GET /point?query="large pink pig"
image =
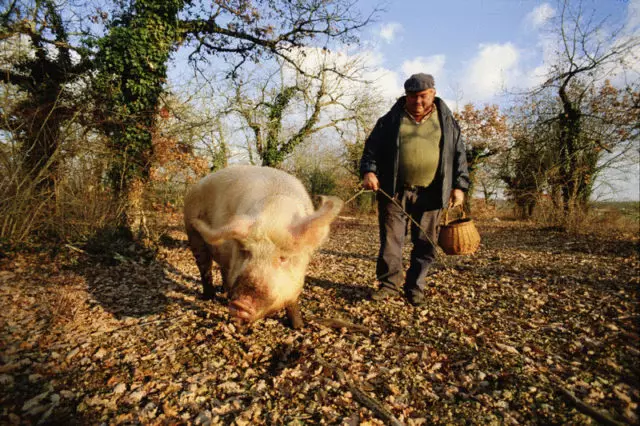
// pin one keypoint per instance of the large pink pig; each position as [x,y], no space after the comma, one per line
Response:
[260,226]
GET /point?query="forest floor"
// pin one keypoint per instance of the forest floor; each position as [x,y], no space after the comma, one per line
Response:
[539,326]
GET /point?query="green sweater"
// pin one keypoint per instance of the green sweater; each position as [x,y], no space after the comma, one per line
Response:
[419,149]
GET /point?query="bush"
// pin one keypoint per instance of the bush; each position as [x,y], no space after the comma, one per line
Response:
[318,181]
[365,203]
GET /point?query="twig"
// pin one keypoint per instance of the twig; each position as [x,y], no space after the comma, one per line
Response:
[76,249]
[355,196]
[359,395]
[584,408]
[599,415]
[142,323]
[339,323]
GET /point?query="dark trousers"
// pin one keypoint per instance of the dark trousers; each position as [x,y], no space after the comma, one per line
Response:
[424,207]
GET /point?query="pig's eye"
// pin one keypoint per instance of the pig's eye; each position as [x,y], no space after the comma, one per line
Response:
[283,260]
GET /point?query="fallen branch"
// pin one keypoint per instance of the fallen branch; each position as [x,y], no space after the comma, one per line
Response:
[339,323]
[76,249]
[599,415]
[585,408]
[359,395]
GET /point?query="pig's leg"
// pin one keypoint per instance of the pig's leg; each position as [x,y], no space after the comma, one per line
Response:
[225,281]
[294,315]
[204,260]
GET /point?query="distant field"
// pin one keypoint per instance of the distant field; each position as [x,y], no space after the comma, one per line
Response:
[626,208]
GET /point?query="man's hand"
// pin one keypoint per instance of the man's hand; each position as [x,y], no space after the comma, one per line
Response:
[456,199]
[370,181]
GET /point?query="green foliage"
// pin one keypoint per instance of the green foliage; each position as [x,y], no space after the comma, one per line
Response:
[318,181]
[277,147]
[219,159]
[132,60]
[352,154]
[366,203]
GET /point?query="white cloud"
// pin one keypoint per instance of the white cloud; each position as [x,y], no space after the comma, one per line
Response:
[433,65]
[632,32]
[540,15]
[16,48]
[386,82]
[633,16]
[389,31]
[493,69]
[361,65]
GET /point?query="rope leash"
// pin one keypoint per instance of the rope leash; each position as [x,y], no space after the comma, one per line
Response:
[440,255]
[362,191]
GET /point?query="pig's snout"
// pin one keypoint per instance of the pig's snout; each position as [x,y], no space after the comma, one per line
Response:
[242,309]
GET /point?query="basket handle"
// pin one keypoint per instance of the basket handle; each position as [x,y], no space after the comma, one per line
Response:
[446,214]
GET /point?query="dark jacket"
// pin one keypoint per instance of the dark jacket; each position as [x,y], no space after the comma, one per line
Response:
[382,147]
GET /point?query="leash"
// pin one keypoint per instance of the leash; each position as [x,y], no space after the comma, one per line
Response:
[440,255]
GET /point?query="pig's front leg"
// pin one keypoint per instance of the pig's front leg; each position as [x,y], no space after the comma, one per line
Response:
[204,265]
[294,315]
[204,261]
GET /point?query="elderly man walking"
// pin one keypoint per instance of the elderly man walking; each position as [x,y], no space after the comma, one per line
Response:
[416,155]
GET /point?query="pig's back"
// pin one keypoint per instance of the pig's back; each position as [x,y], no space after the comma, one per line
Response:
[240,190]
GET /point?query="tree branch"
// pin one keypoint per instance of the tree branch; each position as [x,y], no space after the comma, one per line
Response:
[8,76]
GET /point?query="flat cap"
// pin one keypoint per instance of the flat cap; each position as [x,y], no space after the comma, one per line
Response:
[419,82]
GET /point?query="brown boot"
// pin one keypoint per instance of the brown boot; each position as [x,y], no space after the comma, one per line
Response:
[384,293]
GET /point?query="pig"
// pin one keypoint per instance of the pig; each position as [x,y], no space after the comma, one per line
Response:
[259,225]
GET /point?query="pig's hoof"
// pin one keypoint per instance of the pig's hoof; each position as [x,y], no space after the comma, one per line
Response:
[209,295]
[295,316]
[296,323]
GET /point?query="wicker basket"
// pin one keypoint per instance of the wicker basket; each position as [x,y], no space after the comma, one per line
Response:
[459,236]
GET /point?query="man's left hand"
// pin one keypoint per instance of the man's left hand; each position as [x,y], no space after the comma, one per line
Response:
[456,199]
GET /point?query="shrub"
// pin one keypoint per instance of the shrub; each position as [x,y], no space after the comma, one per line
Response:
[318,181]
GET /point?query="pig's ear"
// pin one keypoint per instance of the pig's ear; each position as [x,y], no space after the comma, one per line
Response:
[311,231]
[237,229]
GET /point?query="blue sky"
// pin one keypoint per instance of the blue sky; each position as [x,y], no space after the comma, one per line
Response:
[474,48]
[478,50]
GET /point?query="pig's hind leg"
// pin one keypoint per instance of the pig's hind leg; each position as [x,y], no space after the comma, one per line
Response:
[204,261]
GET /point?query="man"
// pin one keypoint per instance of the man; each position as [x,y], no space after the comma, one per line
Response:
[416,155]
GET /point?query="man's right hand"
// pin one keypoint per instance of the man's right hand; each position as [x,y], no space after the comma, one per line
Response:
[370,181]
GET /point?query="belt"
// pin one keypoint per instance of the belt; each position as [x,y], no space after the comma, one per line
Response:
[413,187]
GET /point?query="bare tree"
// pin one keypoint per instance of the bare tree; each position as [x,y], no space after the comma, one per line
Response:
[39,58]
[529,167]
[287,107]
[588,113]
[242,30]
[142,36]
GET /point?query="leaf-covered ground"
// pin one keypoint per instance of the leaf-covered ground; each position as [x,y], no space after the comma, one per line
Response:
[538,327]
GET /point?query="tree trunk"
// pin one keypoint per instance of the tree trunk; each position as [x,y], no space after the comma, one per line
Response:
[133,60]
[570,172]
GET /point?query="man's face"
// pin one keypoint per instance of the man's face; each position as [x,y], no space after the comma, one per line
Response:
[418,103]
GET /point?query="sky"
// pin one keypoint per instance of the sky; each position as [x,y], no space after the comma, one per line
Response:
[479,51]
[474,48]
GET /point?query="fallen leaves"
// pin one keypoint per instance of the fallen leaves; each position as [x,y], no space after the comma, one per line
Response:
[506,333]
